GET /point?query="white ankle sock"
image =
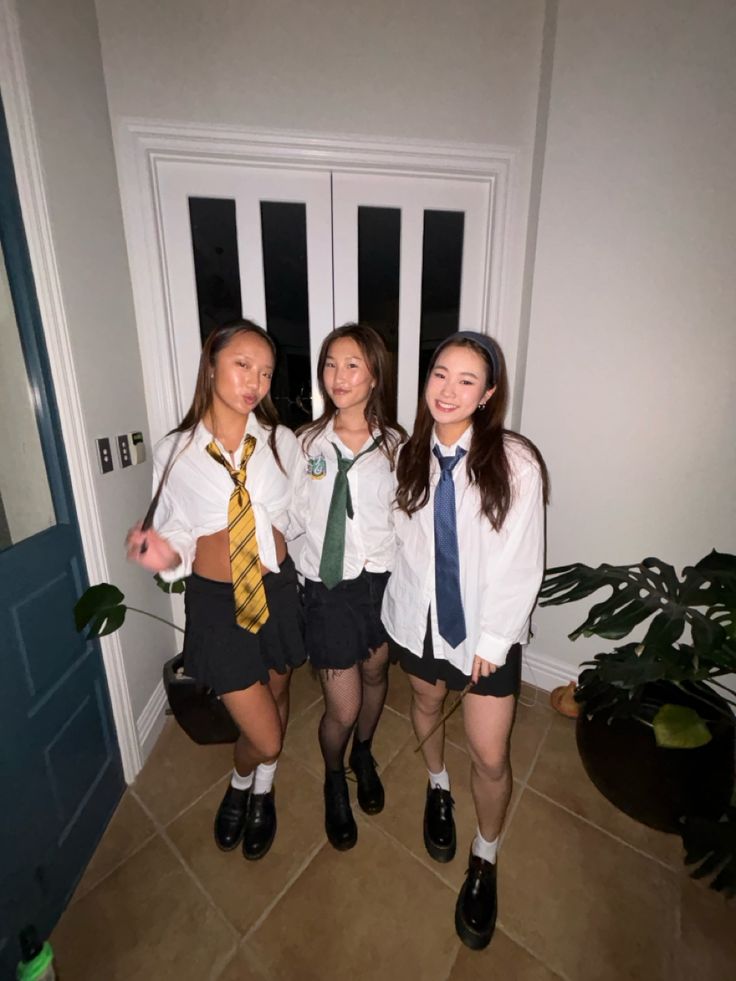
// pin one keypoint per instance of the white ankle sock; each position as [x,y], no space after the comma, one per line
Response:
[265,772]
[441,779]
[240,782]
[485,849]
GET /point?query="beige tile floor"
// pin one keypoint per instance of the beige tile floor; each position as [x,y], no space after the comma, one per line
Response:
[585,893]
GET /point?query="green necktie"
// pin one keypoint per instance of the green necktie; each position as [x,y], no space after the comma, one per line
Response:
[333,548]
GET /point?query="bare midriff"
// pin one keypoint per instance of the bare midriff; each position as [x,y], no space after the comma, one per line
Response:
[212,559]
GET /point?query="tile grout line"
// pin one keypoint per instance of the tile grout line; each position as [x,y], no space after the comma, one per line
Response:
[609,834]
[195,800]
[429,868]
[290,882]
[190,871]
[75,899]
[222,964]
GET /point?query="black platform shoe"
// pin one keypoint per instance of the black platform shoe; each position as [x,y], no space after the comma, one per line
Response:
[439,825]
[230,818]
[340,826]
[475,911]
[370,788]
[260,825]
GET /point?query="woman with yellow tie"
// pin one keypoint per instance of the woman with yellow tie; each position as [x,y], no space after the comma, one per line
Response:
[220,519]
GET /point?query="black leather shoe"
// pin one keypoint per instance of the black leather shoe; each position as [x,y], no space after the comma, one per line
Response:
[260,826]
[370,788]
[340,826]
[439,825]
[230,819]
[475,911]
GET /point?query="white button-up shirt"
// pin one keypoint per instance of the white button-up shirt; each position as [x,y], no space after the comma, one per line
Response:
[369,536]
[500,572]
[195,498]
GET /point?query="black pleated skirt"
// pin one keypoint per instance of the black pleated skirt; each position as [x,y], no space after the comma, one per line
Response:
[223,656]
[503,681]
[343,624]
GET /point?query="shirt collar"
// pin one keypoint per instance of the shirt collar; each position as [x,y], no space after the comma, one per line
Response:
[463,442]
[203,437]
[330,434]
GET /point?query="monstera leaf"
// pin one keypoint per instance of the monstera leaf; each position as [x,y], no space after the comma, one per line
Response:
[101,608]
[704,599]
[711,845]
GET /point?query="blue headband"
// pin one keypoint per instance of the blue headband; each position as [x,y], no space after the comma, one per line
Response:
[482,340]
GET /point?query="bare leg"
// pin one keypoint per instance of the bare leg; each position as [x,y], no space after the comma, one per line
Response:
[488,722]
[426,711]
[279,685]
[255,713]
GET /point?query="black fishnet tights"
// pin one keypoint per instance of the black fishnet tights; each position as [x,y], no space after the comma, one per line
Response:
[353,699]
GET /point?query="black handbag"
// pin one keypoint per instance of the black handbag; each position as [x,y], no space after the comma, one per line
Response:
[197,708]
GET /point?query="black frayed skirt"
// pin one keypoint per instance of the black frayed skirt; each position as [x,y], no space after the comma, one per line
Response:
[343,624]
[503,681]
[223,656]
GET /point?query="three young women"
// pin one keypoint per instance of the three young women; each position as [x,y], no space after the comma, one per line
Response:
[219,522]
[470,527]
[343,502]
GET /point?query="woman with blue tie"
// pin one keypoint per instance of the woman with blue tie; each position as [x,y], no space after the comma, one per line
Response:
[470,531]
[343,501]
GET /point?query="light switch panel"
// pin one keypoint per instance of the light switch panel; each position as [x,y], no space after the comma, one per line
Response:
[124,450]
[104,454]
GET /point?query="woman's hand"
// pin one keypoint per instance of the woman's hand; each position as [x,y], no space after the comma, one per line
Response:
[156,556]
[481,669]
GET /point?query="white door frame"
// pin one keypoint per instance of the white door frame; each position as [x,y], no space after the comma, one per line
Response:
[37,224]
[142,145]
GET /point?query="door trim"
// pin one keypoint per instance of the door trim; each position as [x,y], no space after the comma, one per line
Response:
[31,192]
[140,146]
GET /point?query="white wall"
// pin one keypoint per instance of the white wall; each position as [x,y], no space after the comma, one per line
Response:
[417,69]
[404,68]
[629,390]
[60,47]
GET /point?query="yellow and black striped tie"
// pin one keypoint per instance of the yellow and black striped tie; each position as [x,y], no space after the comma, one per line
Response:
[251,608]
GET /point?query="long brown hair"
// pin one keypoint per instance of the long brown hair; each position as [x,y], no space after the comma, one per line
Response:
[487,461]
[378,413]
[220,337]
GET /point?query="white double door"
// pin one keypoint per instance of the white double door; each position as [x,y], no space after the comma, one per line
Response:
[301,251]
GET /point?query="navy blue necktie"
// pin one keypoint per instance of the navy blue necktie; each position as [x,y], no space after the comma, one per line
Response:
[450,616]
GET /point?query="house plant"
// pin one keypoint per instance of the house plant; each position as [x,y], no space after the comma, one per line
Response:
[101,610]
[657,730]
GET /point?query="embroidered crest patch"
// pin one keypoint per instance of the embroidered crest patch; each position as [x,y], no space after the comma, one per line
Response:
[316,467]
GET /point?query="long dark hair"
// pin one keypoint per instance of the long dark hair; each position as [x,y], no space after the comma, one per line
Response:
[487,462]
[220,337]
[378,413]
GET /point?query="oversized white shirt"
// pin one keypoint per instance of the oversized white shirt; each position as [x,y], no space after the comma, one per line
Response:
[500,572]
[369,536]
[194,500]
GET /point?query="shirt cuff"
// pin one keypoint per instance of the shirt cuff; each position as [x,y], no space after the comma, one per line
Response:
[186,546]
[493,649]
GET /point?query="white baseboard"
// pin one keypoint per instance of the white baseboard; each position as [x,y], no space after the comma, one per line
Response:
[151,720]
[546,672]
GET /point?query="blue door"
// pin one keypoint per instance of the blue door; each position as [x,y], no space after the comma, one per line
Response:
[60,770]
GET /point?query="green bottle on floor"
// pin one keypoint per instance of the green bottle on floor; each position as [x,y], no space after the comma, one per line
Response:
[38,958]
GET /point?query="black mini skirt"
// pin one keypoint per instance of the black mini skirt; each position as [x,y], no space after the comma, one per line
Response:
[223,656]
[343,624]
[503,681]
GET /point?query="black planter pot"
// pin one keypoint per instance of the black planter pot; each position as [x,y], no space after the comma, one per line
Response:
[659,786]
[197,709]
